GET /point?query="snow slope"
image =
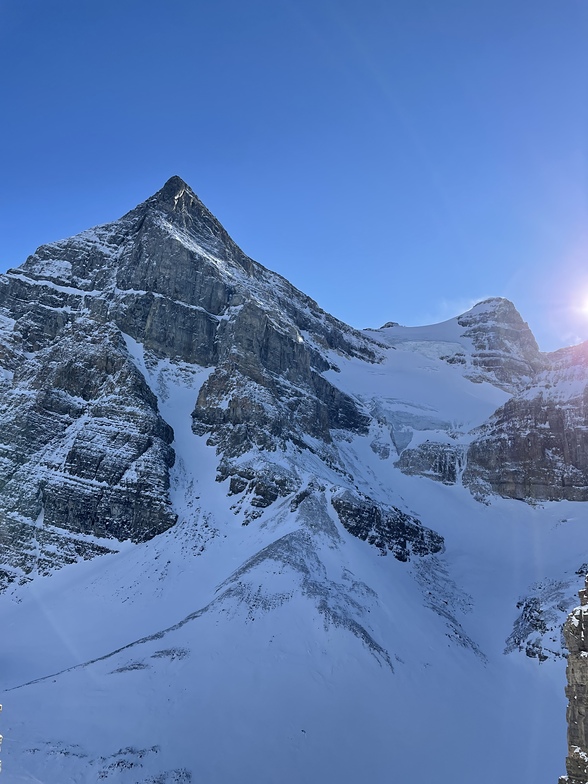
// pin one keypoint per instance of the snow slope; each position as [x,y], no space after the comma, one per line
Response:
[287,650]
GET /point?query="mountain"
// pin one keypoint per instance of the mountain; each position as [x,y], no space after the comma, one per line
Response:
[243,541]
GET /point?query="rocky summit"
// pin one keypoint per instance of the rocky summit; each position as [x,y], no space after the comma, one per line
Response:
[243,541]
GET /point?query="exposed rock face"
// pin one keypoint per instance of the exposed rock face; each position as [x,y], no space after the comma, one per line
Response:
[537,631]
[490,342]
[437,460]
[536,445]
[388,529]
[85,452]
[504,346]
[158,319]
[576,637]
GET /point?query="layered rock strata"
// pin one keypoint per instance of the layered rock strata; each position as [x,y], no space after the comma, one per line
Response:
[85,455]
[535,447]
[504,348]
[576,637]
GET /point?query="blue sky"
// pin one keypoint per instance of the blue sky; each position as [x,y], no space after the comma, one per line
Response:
[395,159]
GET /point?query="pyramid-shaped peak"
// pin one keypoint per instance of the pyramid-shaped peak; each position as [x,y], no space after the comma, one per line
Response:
[175,184]
[181,208]
[174,192]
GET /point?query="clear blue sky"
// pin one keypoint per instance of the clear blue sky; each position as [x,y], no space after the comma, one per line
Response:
[395,159]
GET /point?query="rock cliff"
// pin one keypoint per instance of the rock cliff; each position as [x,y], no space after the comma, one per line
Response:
[504,349]
[535,447]
[576,637]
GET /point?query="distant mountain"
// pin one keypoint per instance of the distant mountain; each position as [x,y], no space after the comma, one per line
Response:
[201,472]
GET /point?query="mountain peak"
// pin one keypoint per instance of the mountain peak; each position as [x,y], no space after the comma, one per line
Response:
[176,193]
[498,311]
[503,342]
[174,185]
[497,307]
[182,208]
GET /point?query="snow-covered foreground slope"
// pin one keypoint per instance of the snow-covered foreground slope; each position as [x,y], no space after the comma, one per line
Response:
[288,650]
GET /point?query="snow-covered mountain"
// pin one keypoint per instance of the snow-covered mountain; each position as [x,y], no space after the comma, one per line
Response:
[244,542]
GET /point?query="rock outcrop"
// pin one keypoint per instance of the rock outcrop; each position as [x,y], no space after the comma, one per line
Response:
[576,637]
[535,447]
[436,460]
[83,449]
[504,348]
[385,527]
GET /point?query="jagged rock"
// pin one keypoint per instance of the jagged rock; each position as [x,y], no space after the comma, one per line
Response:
[83,452]
[385,527]
[531,620]
[259,484]
[576,637]
[161,315]
[389,324]
[435,459]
